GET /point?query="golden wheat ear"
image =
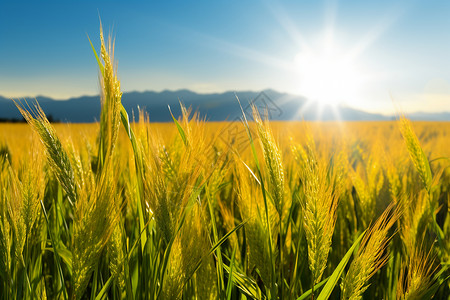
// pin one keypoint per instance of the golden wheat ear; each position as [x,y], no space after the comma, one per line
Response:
[319,206]
[273,161]
[57,157]
[417,275]
[422,165]
[111,96]
[96,214]
[95,217]
[371,255]
[418,157]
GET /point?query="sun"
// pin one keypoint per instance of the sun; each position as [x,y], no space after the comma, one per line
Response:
[327,77]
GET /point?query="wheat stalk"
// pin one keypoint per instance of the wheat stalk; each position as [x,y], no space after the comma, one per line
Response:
[272,158]
[417,155]
[371,256]
[319,213]
[416,276]
[56,155]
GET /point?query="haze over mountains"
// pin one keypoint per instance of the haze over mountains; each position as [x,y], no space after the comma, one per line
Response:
[212,107]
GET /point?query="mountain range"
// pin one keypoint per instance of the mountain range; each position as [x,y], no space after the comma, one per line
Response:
[211,107]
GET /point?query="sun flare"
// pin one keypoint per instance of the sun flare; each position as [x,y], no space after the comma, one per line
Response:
[327,77]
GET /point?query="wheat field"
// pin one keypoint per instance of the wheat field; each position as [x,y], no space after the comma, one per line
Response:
[233,210]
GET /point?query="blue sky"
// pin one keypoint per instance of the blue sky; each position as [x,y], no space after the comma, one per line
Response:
[378,50]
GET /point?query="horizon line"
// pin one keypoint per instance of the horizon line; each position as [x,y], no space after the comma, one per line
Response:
[388,114]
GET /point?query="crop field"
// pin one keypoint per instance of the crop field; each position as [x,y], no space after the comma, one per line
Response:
[233,210]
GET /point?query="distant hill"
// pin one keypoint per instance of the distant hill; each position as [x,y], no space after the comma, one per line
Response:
[440,116]
[212,107]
